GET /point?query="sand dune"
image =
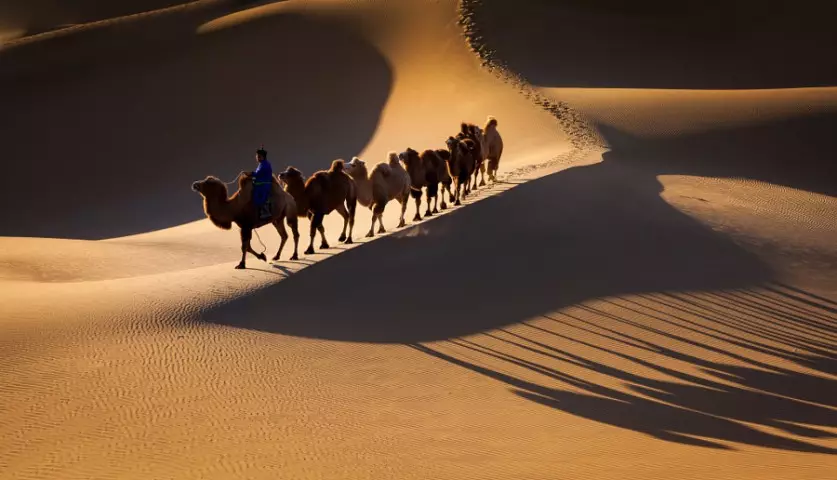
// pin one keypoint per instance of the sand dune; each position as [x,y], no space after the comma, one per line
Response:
[35,16]
[665,309]
[737,44]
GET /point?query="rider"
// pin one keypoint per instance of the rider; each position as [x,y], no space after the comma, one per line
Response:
[262,184]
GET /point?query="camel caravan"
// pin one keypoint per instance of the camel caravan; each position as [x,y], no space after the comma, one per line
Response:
[263,197]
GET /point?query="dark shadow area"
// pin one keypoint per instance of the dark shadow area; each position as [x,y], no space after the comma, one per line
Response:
[502,260]
[124,136]
[36,16]
[796,152]
[716,44]
[792,402]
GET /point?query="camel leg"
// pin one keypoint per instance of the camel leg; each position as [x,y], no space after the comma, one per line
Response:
[324,244]
[345,215]
[371,232]
[418,208]
[436,203]
[379,210]
[444,206]
[346,222]
[316,224]
[294,224]
[482,175]
[246,236]
[402,222]
[351,215]
[279,224]
[456,199]
[428,213]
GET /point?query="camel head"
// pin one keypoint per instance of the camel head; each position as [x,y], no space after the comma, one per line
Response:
[452,143]
[409,156]
[210,188]
[468,145]
[291,176]
[356,167]
[214,193]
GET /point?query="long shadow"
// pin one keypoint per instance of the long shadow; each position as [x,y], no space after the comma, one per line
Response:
[717,44]
[583,233]
[694,410]
[109,148]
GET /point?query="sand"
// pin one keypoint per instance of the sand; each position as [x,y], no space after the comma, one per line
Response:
[659,303]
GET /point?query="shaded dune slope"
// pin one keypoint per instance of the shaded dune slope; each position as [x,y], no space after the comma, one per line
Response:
[35,16]
[130,137]
[659,44]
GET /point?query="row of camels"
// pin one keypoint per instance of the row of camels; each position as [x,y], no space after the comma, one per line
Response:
[471,153]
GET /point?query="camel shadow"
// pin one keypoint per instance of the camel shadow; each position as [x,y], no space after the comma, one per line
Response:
[696,411]
[734,44]
[127,135]
[582,233]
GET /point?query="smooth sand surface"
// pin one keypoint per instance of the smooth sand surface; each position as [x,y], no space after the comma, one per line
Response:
[664,307]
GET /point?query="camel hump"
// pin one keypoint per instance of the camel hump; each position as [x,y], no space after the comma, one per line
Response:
[338,165]
[393,158]
[385,169]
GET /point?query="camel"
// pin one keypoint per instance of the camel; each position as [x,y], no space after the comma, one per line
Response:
[387,181]
[475,133]
[223,211]
[494,147]
[319,195]
[447,180]
[461,164]
[425,170]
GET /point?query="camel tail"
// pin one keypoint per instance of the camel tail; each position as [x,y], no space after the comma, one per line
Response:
[338,165]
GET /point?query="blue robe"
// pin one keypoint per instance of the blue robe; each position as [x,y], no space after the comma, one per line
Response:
[262,183]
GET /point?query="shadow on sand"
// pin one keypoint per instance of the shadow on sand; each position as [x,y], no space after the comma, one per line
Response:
[716,44]
[593,232]
[501,261]
[125,135]
[752,402]
[795,152]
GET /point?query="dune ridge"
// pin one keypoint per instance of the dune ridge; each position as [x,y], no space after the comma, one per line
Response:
[37,19]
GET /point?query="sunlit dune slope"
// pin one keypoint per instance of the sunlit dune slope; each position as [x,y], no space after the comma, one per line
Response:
[150,124]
